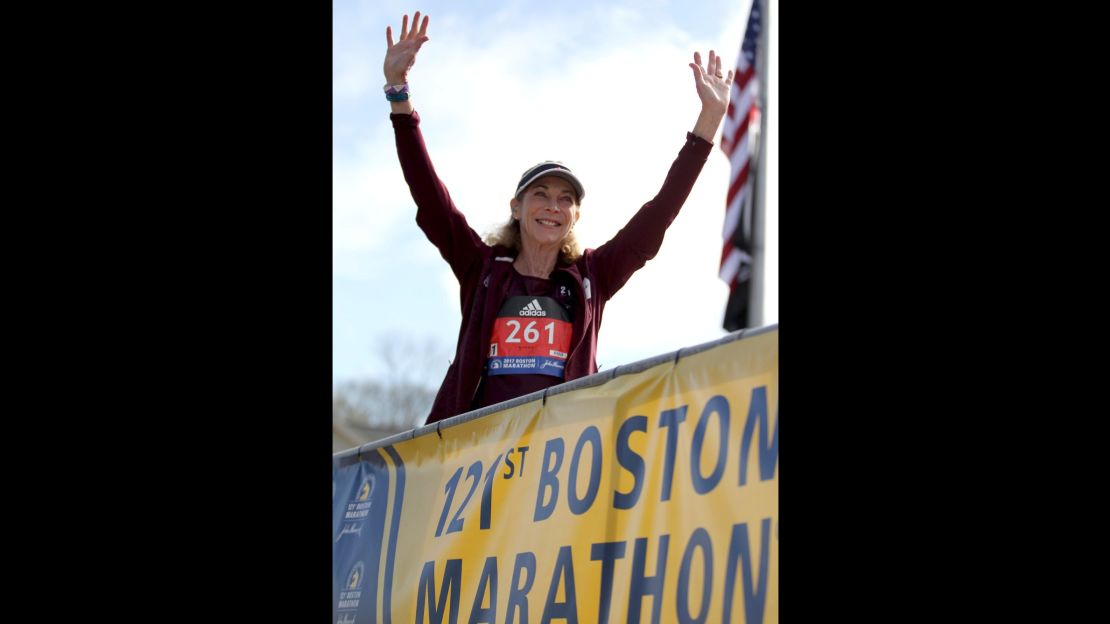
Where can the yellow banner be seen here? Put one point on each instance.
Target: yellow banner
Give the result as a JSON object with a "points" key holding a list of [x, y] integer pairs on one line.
{"points": [[650, 498]]}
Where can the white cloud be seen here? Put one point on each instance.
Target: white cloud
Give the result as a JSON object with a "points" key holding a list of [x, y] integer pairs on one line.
{"points": [[370, 200]]}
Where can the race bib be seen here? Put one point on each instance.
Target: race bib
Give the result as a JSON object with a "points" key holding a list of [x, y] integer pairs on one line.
{"points": [[531, 336]]}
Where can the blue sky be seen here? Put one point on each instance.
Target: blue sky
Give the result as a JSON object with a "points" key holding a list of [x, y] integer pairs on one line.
{"points": [[602, 86]]}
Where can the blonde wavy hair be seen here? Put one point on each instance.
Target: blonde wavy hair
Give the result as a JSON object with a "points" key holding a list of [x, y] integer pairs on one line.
{"points": [[509, 236]]}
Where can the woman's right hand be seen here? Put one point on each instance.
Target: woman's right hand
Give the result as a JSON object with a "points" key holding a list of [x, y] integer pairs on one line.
{"points": [[400, 56]]}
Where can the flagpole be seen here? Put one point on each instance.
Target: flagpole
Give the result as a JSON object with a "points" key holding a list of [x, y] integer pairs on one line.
{"points": [[759, 265]]}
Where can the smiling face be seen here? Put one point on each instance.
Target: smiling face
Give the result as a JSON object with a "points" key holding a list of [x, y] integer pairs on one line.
{"points": [[547, 210]]}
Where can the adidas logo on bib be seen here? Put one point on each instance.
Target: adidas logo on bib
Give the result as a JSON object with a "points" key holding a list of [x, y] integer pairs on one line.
{"points": [[532, 309]]}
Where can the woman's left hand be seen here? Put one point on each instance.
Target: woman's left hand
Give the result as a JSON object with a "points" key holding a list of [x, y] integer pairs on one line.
{"points": [[713, 87]]}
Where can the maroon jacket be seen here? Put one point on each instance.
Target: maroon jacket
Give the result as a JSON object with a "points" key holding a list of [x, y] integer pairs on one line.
{"points": [[483, 271]]}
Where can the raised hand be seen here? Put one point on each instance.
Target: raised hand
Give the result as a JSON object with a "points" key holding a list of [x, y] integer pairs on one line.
{"points": [[713, 88], [400, 56]]}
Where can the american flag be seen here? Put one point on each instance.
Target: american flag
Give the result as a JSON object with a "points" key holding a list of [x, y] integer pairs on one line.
{"points": [[743, 113]]}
